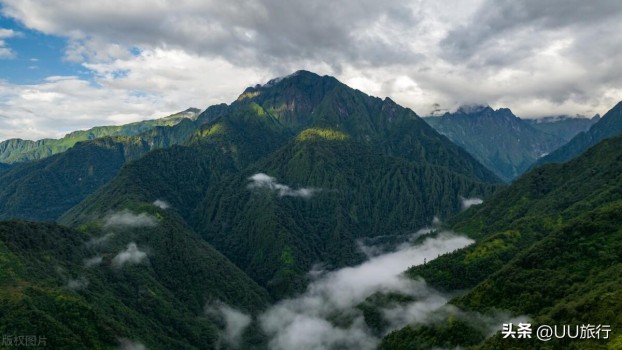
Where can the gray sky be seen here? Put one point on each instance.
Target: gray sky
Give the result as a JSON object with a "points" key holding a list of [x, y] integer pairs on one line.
{"points": [[143, 59]]}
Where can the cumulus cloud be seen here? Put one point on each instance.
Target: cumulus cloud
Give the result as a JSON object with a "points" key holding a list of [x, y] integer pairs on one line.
{"points": [[261, 180], [469, 202], [127, 344], [161, 204], [264, 33], [304, 322], [127, 219], [6, 52], [537, 58], [154, 84], [235, 322], [131, 255]]}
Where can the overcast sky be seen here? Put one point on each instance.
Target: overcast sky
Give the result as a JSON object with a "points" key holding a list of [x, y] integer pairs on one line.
{"points": [[67, 65]]}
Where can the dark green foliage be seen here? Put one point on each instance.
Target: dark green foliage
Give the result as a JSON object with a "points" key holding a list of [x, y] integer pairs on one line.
{"points": [[360, 193], [504, 143], [46, 188], [573, 276], [159, 303], [609, 125], [548, 246], [378, 168], [306, 100], [537, 203], [4, 167], [451, 333]]}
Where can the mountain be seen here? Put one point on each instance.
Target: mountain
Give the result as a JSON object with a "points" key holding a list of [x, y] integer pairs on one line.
{"points": [[44, 189], [609, 125], [18, 150], [4, 167], [501, 141], [294, 172], [137, 278], [564, 127], [547, 247]]}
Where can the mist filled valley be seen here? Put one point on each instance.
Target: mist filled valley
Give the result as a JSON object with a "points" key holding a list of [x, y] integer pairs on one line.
{"points": [[476, 203]]}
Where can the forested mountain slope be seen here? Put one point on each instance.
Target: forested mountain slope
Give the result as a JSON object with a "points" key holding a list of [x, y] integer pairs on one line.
{"points": [[135, 278], [501, 141], [293, 172], [610, 125], [548, 247], [44, 189]]}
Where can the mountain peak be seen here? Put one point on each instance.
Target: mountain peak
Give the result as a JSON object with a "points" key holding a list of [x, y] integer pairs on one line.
{"points": [[300, 77], [472, 108], [300, 74]]}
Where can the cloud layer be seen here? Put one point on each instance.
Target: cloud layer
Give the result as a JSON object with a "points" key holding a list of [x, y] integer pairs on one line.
{"points": [[235, 322], [304, 322], [149, 59]]}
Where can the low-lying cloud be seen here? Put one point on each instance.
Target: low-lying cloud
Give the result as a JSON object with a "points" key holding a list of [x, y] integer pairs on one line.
{"points": [[94, 261], [304, 322], [234, 321], [78, 283], [131, 255], [161, 204], [469, 202], [99, 241], [127, 219], [261, 180], [127, 344]]}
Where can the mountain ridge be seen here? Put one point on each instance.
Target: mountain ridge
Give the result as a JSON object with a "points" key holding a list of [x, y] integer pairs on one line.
{"points": [[497, 138], [546, 247], [610, 125], [307, 131], [20, 150]]}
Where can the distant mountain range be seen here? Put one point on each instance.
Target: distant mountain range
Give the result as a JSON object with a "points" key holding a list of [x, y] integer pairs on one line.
{"points": [[564, 127], [504, 143], [610, 125], [18, 150], [43, 189]]}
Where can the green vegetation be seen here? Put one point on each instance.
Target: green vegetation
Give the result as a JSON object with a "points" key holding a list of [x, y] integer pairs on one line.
{"points": [[44, 189], [47, 290], [291, 174], [18, 150], [548, 247], [326, 134], [453, 332], [498, 139], [367, 166]]}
